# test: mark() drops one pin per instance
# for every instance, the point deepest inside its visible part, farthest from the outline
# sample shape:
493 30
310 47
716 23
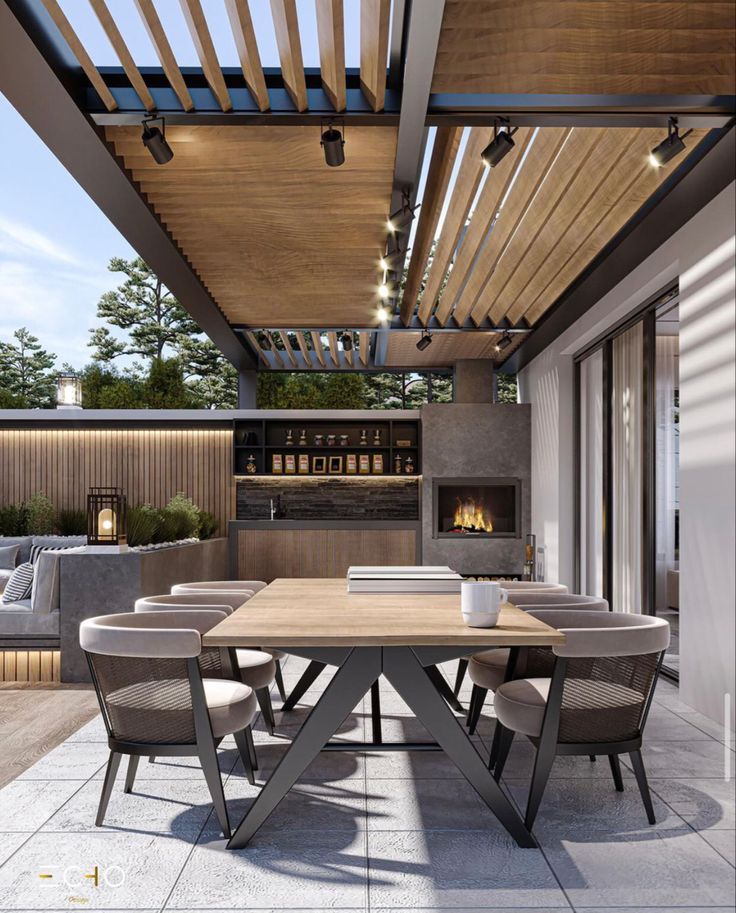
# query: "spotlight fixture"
333 143
504 342
383 292
402 218
155 141
499 146
670 147
383 314
347 341
390 263
425 342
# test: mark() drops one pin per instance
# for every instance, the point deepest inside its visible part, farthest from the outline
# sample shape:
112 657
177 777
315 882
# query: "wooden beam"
284 336
124 55
365 348
541 157
202 39
286 25
476 234
304 348
253 340
163 50
349 357
241 24
77 48
318 348
331 34
463 194
276 351
444 153
334 351
374 26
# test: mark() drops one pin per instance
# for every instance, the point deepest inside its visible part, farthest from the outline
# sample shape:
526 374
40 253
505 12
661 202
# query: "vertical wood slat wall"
150 464
30 666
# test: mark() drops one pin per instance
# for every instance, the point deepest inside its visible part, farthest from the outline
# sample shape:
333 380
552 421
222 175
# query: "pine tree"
211 378
142 306
27 372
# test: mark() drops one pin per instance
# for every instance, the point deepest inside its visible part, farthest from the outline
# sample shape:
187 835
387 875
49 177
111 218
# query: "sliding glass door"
626 416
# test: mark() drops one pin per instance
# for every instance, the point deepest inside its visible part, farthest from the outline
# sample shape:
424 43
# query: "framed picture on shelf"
351 464
303 464
365 464
289 464
378 464
319 464
277 464
335 464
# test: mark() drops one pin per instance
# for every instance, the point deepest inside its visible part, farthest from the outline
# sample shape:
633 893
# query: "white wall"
702 255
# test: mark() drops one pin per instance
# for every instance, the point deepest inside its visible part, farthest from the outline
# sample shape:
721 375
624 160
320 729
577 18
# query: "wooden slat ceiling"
587 47
278 238
566 192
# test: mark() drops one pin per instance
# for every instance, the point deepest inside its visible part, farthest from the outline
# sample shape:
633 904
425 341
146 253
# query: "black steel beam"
709 168
396 325
31 84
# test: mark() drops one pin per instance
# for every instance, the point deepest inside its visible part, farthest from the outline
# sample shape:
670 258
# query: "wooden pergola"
277 256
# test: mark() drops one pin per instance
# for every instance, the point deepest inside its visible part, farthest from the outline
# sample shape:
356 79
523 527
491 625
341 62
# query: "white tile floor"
388 832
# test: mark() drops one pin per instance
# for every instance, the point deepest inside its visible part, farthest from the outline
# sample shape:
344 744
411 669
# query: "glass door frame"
646 314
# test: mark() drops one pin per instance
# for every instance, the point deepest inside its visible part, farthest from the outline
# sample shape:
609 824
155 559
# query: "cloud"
18 239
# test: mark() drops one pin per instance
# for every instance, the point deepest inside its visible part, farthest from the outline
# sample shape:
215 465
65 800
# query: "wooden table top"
321 613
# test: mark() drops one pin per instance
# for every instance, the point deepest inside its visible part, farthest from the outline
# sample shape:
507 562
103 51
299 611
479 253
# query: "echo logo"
74 876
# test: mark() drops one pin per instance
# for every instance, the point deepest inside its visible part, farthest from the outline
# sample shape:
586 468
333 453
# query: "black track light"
155 141
669 147
499 146
333 143
504 342
392 262
347 341
425 342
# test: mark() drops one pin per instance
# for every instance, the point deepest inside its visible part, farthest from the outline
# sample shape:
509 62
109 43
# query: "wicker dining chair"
497 659
589 696
155 700
255 668
232 590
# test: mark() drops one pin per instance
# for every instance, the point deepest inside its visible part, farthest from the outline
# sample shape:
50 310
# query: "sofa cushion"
45 592
20 584
24 542
54 543
4 577
18 621
9 557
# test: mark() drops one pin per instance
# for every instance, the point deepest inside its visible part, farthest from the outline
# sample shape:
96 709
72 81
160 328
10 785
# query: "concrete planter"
92 585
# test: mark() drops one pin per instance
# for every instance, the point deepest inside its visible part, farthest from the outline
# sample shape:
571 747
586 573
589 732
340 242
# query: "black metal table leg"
349 684
376 713
438 679
308 676
414 683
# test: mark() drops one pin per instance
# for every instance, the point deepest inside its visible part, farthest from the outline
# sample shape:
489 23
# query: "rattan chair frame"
548 746
204 747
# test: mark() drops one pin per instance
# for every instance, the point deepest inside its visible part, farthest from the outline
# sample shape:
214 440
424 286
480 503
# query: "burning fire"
471 515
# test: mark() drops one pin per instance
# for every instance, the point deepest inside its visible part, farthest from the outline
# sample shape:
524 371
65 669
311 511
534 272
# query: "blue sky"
54 243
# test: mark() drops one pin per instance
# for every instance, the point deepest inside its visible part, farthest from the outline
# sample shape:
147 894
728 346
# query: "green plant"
182 517
143 524
208 524
71 522
41 515
13 520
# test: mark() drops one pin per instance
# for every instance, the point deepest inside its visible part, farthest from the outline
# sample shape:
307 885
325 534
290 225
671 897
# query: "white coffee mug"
481 601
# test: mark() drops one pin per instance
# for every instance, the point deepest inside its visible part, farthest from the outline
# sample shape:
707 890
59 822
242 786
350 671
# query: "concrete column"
474 380
247 385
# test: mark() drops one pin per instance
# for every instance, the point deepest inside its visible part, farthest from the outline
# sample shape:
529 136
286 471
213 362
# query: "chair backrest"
233 598
543 600
184 602
611 664
194 586
532 586
142 670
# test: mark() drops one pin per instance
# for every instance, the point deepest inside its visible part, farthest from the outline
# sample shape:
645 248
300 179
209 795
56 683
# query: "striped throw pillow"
37 549
20 584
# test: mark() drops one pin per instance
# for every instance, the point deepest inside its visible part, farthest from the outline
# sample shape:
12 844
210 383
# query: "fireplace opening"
477 508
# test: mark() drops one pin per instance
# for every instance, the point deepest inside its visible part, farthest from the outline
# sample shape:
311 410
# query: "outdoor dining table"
366 636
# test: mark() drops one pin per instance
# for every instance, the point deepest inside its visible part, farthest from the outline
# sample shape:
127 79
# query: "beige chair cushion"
519 705
488 669
277 654
232 705
257 668
196 586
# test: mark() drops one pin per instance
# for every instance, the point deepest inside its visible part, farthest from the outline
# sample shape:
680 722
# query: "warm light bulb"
383 291
390 225
653 161
107 524
383 265
383 315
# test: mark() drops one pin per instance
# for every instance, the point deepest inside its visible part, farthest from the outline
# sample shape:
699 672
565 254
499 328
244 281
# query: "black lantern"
106 517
